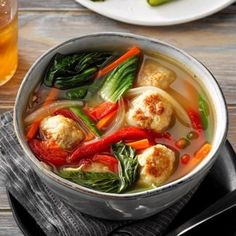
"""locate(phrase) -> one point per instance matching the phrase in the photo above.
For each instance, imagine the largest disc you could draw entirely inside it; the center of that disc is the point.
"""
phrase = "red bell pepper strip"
(88, 150)
(48, 152)
(102, 110)
(195, 119)
(196, 122)
(154, 137)
(107, 160)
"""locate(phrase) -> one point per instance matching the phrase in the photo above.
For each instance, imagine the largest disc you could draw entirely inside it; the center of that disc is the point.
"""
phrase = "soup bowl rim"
(78, 188)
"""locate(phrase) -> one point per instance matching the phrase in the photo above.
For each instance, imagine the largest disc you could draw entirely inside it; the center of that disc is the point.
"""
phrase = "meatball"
(64, 131)
(95, 167)
(157, 163)
(154, 74)
(150, 111)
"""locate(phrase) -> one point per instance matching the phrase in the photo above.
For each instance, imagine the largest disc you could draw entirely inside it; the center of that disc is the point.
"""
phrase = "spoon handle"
(222, 205)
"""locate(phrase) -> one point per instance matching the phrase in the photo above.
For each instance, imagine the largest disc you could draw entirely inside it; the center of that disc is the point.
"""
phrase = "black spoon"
(225, 204)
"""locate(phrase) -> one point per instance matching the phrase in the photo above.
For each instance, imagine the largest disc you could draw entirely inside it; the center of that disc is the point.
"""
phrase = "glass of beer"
(8, 39)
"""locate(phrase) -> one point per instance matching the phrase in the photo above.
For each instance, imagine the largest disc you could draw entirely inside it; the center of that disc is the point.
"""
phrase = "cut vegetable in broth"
(48, 110)
(120, 80)
(68, 71)
(203, 109)
(119, 121)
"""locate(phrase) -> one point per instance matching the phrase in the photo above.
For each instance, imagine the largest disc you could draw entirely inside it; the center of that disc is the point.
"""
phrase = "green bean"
(91, 125)
(203, 109)
(157, 2)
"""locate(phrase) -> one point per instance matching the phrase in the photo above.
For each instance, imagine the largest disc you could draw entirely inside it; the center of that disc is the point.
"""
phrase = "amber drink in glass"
(8, 39)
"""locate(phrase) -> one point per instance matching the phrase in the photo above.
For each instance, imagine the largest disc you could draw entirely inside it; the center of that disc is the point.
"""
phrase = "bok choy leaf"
(108, 181)
(105, 182)
(128, 164)
(119, 80)
(69, 71)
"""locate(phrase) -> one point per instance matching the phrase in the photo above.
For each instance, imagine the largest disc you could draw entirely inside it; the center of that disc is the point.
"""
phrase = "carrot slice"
(35, 125)
(89, 137)
(98, 112)
(51, 96)
(132, 52)
(203, 151)
(33, 130)
(140, 144)
(106, 120)
(197, 158)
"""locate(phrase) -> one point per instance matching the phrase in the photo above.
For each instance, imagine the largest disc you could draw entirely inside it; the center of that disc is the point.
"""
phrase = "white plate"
(140, 13)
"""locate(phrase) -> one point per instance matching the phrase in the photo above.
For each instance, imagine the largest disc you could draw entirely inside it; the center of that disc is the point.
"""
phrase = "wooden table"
(43, 24)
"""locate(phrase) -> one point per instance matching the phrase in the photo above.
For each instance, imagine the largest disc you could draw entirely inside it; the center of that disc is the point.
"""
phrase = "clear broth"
(181, 89)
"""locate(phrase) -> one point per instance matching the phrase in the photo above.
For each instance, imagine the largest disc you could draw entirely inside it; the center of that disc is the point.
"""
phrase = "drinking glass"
(8, 39)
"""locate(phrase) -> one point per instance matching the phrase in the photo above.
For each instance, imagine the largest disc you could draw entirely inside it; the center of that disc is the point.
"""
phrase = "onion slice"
(47, 110)
(180, 112)
(118, 121)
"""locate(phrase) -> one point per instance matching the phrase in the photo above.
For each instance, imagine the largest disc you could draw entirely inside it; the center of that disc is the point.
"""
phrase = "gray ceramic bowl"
(122, 206)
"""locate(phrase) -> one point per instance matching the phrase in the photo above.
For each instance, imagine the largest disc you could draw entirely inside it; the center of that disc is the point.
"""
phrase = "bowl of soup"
(120, 126)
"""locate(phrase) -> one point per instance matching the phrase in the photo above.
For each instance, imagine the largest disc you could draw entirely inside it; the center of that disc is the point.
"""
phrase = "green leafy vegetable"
(107, 181)
(69, 71)
(91, 125)
(94, 88)
(86, 92)
(204, 112)
(120, 80)
(128, 164)
(78, 93)
(76, 80)
(60, 65)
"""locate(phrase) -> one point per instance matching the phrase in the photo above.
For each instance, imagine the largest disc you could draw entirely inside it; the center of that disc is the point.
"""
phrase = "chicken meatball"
(95, 167)
(64, 131)
(151, 111)
(157, 163)
(156, 75)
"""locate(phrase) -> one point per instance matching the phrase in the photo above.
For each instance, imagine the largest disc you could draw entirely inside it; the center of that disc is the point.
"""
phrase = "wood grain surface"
(43, 24)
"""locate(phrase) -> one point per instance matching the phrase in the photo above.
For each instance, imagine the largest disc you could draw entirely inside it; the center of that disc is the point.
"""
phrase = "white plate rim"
(92, 7)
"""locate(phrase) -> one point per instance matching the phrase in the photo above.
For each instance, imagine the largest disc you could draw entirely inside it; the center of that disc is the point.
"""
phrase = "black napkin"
(53, 215)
